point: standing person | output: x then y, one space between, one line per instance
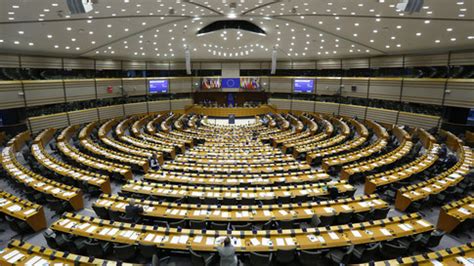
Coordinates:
227 253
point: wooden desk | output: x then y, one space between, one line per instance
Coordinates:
244 213
21 253
260 193
450 256
243 241
23 210
225 112
454 213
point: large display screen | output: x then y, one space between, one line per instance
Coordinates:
230 83
158 86
304 86
470 117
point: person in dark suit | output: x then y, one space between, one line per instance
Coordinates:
132 210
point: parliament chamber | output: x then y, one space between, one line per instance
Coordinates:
250 133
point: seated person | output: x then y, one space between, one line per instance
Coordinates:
227 253
132 210
153 162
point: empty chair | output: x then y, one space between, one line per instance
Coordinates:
341 255
344 218
285 256
181 223
333 192
102 212
197 224
147 251
366 253
379 214
313 257
260 259
242 227
285 224
54 241
125 252
19 226
393 249
96 248
198 259
218 226
284 200
248 201
57 205
211 201
229 201
161 224
194 200
73 244
432 240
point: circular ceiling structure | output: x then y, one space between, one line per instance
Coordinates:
296 29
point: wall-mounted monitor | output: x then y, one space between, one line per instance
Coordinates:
158 86
303 85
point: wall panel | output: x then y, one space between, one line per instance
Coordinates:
103 84
108 64
211 65
426 60
78 63
418 120
361 85
158 106
135 108
180 104
304 65
326 108
12 61
381 115
386 61
42 92
41 62
48 121
385 88
462 59
352 110
158 65
428 91
328 86
134 86
180 85
284 65
11 95
83 116
328 64
355 63
282 85
461 93
281 104
250 65
79 90
177 65
133 65
109 112
304 106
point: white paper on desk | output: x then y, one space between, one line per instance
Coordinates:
16 258
149 237
423 223
363 204
225 214
83 226
183 239
11 254
34 261
312 238
175 212
404 227
333 235
267 213
267 242
289 241
280 241
196 213
283 212
385 232
14 208
356 233
465 211
465 261
237 242
255 241
197 239
113 232
175 240
91 229
245 214
328 209
308 211
436 263
210 241
70 225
